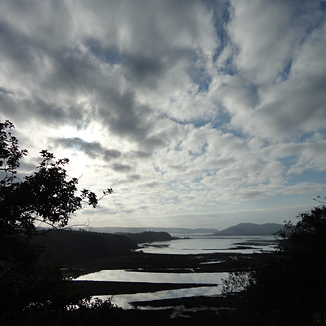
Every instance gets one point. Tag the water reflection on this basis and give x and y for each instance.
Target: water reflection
(124, 300)
(195, 245)
(131, 276)
(199, 244)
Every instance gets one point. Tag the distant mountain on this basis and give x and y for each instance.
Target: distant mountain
(154, 229)
(239, 229)
(252, 229)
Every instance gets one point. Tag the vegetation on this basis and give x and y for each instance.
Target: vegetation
(72, 248)
(26, 288)
(288, 287)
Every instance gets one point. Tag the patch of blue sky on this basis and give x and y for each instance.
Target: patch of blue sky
(199, 152)
(220, 23)
(221, 19)
(286, 70)
(195, 122)
(289, 161)
(254, 94)
(221, 122)
(309, 136)
(5, 91)
(159, 170)
(109, 55)
(197, 180)
(224, 40)
(229, 68)
(177, 184)
(198, 123)
(200, 76)
(322, 8)
(309, 176)
(178, 147)
(210, 172)
(202, 79)
(318, 22)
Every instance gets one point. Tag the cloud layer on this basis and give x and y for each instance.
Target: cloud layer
(185, 108)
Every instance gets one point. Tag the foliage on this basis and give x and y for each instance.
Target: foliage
(46, 196)
(288, 287)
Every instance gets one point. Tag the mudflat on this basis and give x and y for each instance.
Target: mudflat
(199, 263)
(143, 262)
(179, 311)
(113, 288)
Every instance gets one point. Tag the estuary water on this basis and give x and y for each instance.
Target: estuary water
(200, 244)
(193, 244)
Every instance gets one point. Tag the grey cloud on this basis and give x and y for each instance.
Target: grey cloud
(15, 49)
(141, 68)
(153, 184)
(76, 74)
(123, 168)
(110, 154)
(56, 114)
(108, 54)
(124, 116)
(45, 111)
(140, 154)
(252, 194)
(134, 177)
(46, 23)
(176, 167)
(91, 149)
(61, 77)
(28, 167)
(154, 141)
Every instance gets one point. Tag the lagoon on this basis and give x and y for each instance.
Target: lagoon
(131, 276)
(197, 244)
(201, 244)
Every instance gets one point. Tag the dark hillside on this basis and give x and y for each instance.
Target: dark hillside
(148, 236)
(67, 246)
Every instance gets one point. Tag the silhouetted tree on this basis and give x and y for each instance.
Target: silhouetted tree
(288, 287)
(48, 196)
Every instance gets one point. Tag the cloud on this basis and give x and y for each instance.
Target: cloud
(185, 107)
(280, 68)
(268, 36)
(91, 149)
(122, 168)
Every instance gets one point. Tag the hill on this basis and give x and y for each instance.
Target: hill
(148, 236)
(74, 247)
(252, 229)
(67, 246)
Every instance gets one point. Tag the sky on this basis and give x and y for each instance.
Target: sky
(196, 113)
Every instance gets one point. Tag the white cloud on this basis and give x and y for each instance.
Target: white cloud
(182, 107)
